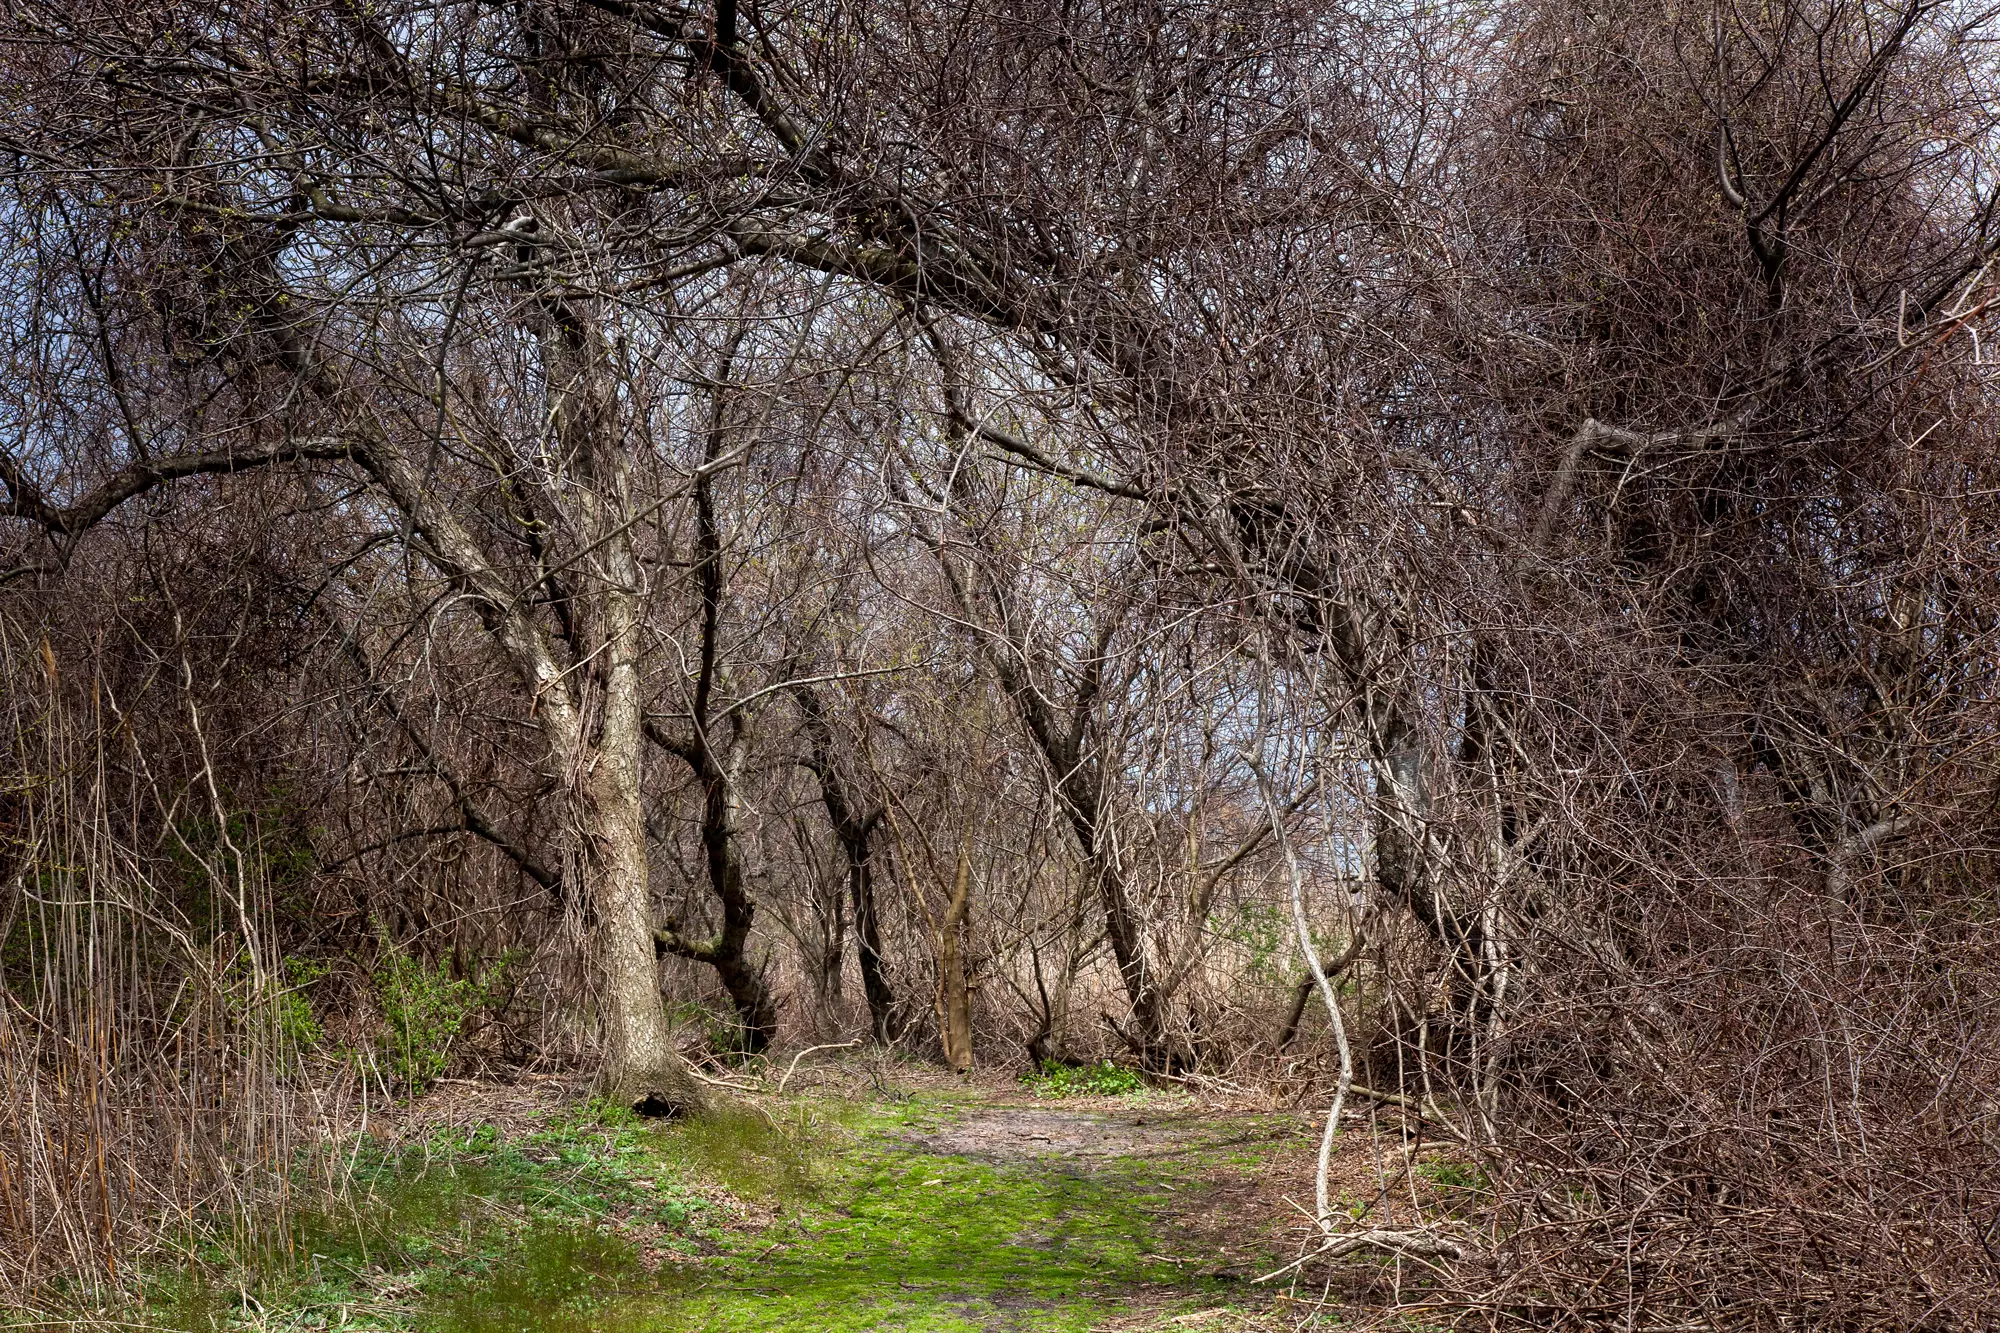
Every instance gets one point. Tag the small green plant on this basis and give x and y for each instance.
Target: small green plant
(424, 1008)
(274, 1005)
(591, 1113)
(298, 1025)
(1450, 1175)
(1103, 1079)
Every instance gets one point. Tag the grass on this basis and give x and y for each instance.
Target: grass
(812, 1216)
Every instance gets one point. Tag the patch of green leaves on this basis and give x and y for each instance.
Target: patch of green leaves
(1103, 1079)
(424, 1011)
(298, 1025)
(1451, 1174)
(466, 1232)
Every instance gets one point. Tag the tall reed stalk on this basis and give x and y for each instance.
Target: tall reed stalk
(148, 1100)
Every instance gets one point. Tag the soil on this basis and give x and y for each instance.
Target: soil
(1007, 1134)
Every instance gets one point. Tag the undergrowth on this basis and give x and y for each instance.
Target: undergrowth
(1103, 1079)
(424, 1011)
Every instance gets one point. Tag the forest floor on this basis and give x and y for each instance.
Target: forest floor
(888, 1197)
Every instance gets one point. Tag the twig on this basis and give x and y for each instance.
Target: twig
(1326, 990)
(830, 1046)
(724, 1082)
(1409, 1244)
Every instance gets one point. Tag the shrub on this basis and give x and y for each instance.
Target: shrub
(1103, 1079)
(424, 1008)
(298, 1025)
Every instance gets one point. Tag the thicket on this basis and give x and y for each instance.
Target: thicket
(978, 529)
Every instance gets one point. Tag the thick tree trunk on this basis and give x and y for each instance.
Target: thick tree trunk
(642, 1070)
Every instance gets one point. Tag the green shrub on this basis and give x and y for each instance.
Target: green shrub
(424, 1008)
(275, 1006)
(298, 1025)
(1103, 1079)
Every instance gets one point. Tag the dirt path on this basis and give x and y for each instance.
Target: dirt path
(1020, 1134)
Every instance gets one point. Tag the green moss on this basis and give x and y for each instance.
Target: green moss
(600, 1222)
(903, 1240)
(916, 1241)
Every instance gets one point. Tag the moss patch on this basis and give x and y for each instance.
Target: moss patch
(811, 1215)
(903, 1239)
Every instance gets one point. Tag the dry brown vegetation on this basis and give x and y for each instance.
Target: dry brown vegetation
(821, 515)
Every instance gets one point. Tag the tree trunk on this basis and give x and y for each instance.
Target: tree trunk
(729, 952)
(642, 1070)
(955, 994)
(856, 831)
(832, 906)
(882, 1023)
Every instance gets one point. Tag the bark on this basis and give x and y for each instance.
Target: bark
(729, 954)
(884, 1024)
(727, 951)
(640, 1062)
(1079, 793)
(855, 828)
(642, 1069)
(831, 901)
(955, 991)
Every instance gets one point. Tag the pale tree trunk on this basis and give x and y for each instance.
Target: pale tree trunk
(642, 1070)
(955, 991)
(640, 1064)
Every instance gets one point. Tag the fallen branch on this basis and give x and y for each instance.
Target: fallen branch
(1420, 1245)
(732, 1084)
(830, 1046)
